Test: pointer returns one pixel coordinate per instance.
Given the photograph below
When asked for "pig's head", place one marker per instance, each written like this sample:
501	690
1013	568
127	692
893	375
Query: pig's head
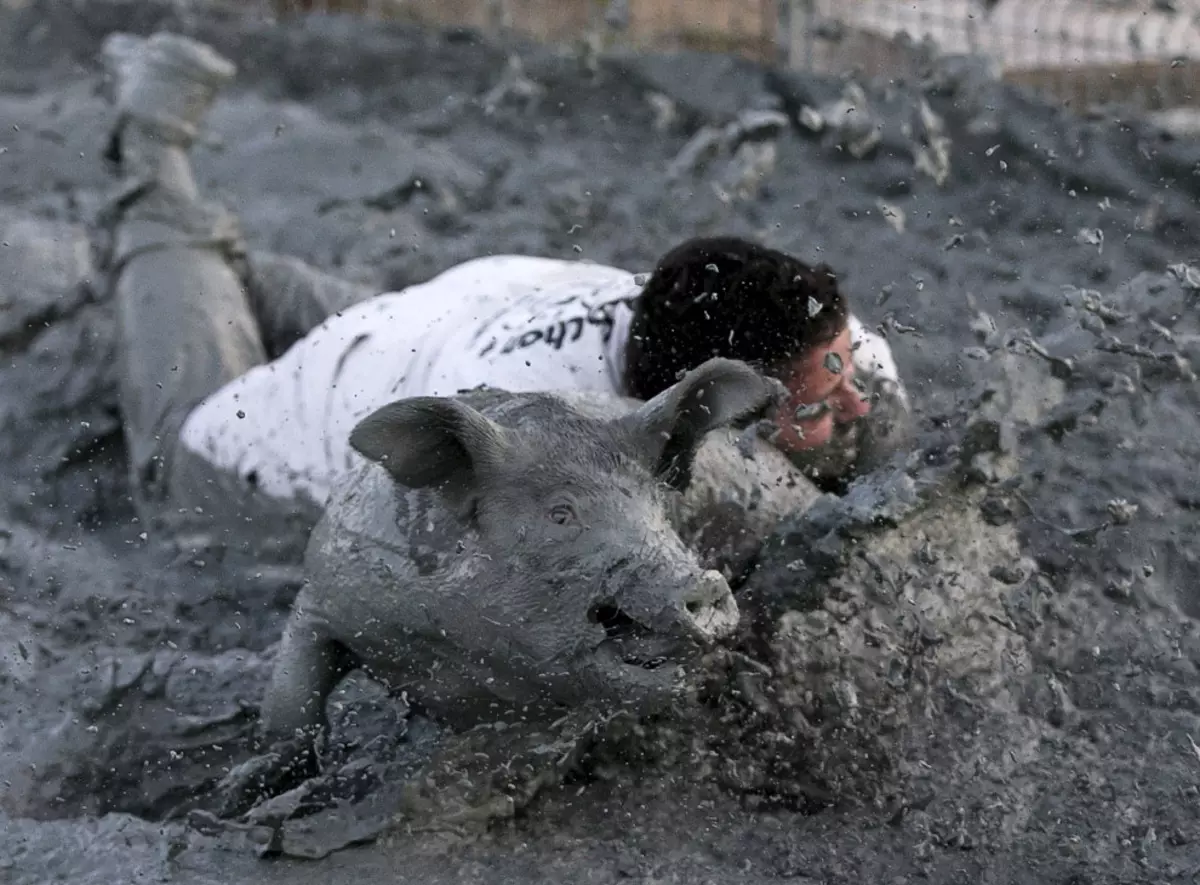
580	585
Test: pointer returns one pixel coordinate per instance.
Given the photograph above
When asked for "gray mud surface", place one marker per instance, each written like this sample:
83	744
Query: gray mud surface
992	682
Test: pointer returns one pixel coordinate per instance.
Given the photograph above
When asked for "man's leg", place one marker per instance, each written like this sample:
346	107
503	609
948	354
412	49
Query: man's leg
186	325
291	298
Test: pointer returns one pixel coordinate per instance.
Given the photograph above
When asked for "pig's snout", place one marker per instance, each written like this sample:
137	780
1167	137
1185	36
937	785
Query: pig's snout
709	609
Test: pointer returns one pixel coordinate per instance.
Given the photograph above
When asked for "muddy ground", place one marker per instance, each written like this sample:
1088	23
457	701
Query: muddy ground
1050	737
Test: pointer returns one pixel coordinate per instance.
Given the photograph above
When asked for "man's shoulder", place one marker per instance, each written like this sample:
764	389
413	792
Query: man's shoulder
524	273
583	282
552	329
511	290
570	292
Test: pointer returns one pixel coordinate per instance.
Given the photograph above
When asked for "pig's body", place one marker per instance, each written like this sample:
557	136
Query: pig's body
462	593
398	585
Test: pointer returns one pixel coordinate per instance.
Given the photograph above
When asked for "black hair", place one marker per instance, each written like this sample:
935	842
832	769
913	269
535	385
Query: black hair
732	298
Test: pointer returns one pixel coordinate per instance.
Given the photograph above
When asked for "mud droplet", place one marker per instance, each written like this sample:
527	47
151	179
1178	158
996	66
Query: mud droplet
810	411
814	306
833	363
1187	275
241	414
1090	237
1121	511
712	268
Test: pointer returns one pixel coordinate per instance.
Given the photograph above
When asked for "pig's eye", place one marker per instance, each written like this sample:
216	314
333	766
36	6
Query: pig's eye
562	514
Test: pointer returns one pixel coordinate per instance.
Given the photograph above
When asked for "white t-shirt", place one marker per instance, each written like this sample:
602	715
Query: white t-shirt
513	322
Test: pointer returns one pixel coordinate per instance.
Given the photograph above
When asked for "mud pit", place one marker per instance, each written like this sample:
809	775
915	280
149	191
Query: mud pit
1000	686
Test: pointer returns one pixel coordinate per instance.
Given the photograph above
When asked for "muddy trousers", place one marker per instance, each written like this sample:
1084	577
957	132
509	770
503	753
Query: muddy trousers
195	312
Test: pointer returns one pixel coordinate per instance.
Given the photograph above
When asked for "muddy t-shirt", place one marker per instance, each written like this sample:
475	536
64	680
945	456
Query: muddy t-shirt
513	322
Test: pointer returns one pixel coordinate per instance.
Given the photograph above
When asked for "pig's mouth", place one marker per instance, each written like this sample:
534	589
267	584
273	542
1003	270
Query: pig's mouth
632	643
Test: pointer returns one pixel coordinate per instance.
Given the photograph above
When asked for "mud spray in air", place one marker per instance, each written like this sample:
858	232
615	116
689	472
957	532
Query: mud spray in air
978	665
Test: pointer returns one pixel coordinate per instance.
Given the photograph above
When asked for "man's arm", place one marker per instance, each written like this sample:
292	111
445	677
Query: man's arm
888	427
741	487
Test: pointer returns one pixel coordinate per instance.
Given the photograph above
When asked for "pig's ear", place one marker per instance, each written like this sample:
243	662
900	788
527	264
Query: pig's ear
428	440
719	393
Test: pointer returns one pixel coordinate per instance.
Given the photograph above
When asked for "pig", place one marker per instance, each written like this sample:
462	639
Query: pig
514	555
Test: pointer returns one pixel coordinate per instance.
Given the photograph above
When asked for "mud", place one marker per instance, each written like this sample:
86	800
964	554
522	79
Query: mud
978	666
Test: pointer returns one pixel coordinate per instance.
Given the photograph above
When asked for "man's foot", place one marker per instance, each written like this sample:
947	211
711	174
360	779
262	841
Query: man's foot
166	83
163	88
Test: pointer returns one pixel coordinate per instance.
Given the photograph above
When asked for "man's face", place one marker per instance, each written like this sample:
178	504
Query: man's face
822	396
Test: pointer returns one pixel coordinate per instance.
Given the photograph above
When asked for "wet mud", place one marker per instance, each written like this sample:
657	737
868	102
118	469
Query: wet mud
978	665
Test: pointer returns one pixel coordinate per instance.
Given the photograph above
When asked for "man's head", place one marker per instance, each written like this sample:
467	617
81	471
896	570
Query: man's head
728	297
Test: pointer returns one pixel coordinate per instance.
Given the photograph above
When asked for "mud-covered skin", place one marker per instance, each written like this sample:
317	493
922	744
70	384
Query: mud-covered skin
483	571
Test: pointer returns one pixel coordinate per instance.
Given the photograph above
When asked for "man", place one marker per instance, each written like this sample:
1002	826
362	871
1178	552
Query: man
214	425
524	323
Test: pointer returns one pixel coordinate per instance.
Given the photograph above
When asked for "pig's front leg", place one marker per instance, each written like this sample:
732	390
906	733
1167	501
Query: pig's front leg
308	666
472	780
493	772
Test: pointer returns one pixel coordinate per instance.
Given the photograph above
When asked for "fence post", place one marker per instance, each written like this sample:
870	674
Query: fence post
801	23
499	18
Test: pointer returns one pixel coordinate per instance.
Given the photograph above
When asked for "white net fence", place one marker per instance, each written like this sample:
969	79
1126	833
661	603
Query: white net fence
1146	52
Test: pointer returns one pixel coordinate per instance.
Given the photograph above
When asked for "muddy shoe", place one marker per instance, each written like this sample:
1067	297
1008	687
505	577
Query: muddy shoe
167	83
162	87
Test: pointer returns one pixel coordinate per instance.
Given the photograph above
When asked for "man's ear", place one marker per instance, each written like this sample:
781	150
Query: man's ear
719	393
429	441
